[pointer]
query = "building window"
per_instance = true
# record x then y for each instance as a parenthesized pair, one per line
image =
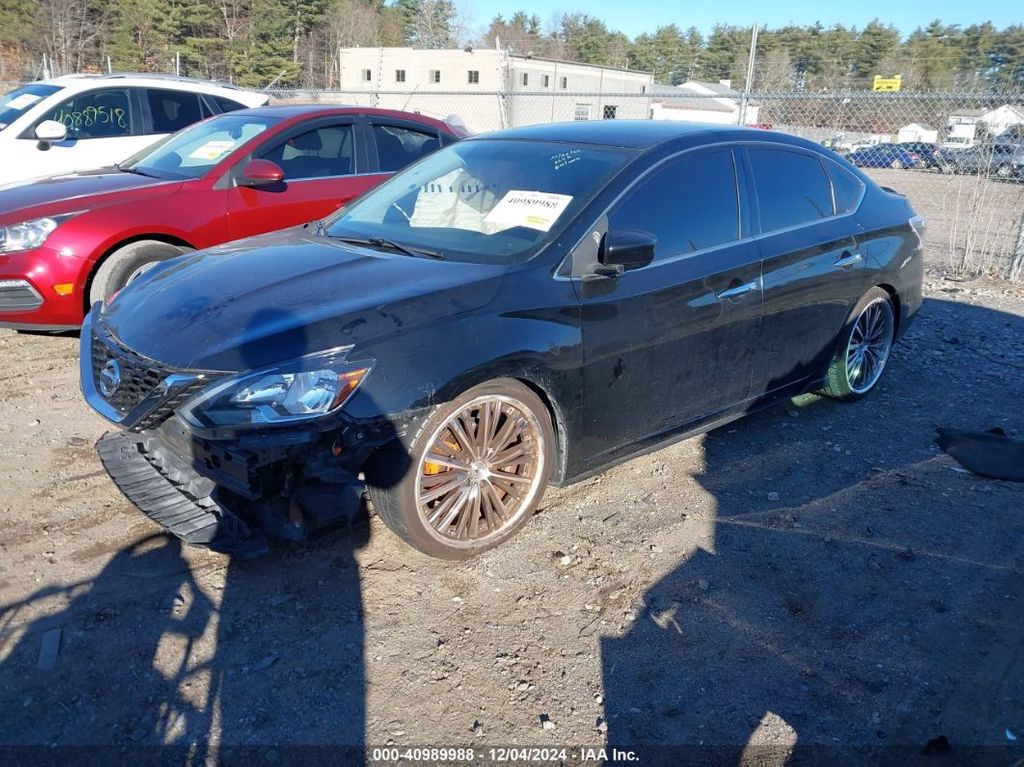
(526, 78)
(609, 111)
(399, 75)
(582, 112)
(474, 76)
(547, 81)
(367, 75)
(565, 83)
(434, 76)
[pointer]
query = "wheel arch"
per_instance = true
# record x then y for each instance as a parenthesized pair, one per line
(894, 296)
(169, 239)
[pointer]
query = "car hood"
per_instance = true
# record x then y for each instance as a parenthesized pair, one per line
(74, 192)
(271, 298)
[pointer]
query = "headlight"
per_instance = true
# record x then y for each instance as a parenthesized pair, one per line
(28, 235)
(300, 390)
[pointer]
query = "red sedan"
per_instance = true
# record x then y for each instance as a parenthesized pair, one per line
(69, 241)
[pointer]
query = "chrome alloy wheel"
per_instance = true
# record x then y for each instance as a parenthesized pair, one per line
(869, 345)
(480, 471)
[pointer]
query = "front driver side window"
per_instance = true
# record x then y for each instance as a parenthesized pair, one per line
(688, 204)
(105, 113)
(320, 153)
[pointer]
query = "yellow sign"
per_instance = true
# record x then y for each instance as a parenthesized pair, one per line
(886, 83)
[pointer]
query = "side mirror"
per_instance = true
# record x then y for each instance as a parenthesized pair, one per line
(261, 173)
(50, 131)
(626, 249)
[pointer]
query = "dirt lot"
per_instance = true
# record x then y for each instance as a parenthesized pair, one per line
(817, 574)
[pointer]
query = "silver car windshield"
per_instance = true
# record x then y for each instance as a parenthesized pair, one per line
(15, 103)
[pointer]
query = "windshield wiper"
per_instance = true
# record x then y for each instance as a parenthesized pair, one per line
(385, 244)
(134, 170)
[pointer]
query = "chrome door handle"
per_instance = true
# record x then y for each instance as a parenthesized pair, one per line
(848, 259)
(738, 290)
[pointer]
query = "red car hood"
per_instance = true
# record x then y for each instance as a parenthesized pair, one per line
(74, 192)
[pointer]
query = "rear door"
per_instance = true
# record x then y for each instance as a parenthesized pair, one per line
(324, 167)
(813, 269)
(675, 341)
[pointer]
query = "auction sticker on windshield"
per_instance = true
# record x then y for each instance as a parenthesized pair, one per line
(536, 210)
(211, 150)
(23, 101)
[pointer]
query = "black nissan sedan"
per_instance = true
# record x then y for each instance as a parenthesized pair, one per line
(522, 308)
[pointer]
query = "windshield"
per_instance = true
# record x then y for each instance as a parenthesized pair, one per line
(486, 201)
(191, 152)
(14, 104)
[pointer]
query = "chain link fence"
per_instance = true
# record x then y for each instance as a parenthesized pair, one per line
(959, 157)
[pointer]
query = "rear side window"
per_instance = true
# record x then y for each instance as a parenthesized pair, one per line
(846, 187)
(792, 188)
(398, 146)
(105, 113)
(226, 105)
(173, 110)
(689, 204)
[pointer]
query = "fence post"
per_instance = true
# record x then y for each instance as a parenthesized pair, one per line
(742, 117)
(1016, 269)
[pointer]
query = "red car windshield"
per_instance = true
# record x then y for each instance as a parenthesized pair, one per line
(192, 151)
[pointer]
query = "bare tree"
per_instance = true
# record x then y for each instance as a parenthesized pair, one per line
(72, 30)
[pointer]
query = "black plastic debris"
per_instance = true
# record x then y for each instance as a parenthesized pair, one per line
(989, 454)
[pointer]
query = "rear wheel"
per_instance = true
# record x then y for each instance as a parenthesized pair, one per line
(127, 263)
(863, 349)
(1005, 170)
(471, 476)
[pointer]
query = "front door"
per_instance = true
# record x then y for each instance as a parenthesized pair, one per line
(322, 172)
(674, 342)
(103, 127)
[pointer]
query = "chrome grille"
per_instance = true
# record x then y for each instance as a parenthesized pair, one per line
(140, 377)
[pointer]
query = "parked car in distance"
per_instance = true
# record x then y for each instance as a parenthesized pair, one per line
(79, 122)
(1002, 160)
(884, 156)
(523, 307)
(69, 241)
(927, 154)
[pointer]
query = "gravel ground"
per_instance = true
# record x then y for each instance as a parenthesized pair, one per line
(814, 575)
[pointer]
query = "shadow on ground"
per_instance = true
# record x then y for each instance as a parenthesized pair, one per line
(865, 596)
(852, 603)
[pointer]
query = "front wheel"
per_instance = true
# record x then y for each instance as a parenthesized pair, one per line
(863, 348)
(472, 474)
(126, 264)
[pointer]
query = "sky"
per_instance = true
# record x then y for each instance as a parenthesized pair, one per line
(647, 15)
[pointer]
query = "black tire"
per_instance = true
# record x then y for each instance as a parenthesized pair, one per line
(393, 476)
(123, 264)
(838, 384)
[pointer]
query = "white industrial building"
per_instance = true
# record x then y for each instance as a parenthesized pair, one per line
(915, 132)
(491, 89)
(702, 102)
(962, 126)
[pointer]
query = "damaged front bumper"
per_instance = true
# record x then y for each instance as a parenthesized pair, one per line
(223, 493)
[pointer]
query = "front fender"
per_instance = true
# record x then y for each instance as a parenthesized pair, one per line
(435, 362)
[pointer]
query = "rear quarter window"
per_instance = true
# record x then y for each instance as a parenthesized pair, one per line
(847, 188)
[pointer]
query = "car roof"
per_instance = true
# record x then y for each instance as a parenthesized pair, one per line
(643, 134)
(299, 111)
(194, 84)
